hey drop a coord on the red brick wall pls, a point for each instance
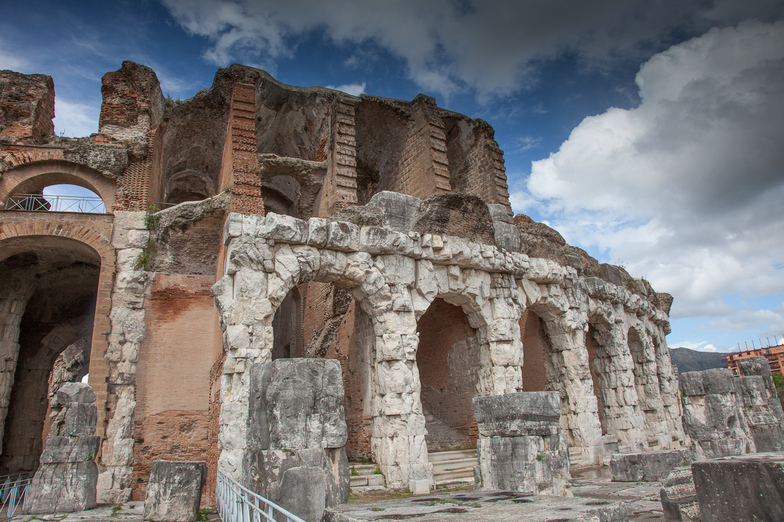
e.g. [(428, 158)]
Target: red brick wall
[(535, 346), (175, 375), (446, 358)]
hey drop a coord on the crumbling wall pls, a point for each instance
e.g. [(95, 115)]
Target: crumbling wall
[(26, 107)]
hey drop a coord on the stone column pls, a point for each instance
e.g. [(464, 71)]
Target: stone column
[(66, 480), (398, 442), (579, 413)]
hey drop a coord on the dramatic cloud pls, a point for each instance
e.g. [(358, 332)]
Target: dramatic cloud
[(75, 119), (489, 46), (354, 89), (687, 188)]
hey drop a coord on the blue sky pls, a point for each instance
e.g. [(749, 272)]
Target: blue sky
[(648, 133)]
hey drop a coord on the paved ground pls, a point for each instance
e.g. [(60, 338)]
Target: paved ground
[(594, 494)]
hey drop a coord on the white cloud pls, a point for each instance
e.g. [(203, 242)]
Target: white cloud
[(355, 89), (687, 188), (74, 119), (486, 46)]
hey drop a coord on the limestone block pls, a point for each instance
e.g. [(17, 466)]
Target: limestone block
[(747, 487), (678, 496), (232, 227), (296, 404), (128, 220), (317, 232), (63, 488), (174, 490), (342, 236), (286, 229), (518, 414), (400, 210), (650, 466), (419, 487), (507, 235), (61, 450)]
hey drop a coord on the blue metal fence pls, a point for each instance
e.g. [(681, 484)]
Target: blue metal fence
[(13, 494), (239, 504)]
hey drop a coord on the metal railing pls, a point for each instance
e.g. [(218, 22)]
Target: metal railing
[(239, 504), (53, 203), (13, 494)]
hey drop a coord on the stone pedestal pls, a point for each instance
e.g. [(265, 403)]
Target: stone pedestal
[(747, 487), (296, 436), (520, 445), (650, 466), (713, 415), (67, 478), (174, 491)]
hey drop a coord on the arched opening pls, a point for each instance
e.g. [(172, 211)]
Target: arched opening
[(537, 369), (323, 320), (55, 313), (598, 362), (287, 327), (281, 195), (447, 358), (57, 186), (188, 185)]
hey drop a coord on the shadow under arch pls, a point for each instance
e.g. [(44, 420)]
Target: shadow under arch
[(51, 284), (32, 178)]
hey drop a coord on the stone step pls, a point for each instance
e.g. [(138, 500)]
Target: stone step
[(447, 476), (451, 455), (364, 469), (367, 480), (446, 466)]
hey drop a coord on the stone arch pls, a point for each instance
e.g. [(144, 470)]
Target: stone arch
[(31, 178), (188, 185), (447, 360), (23, 235), (612, 374)]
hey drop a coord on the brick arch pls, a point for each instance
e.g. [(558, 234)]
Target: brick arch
[(32, 177), (96, 238)]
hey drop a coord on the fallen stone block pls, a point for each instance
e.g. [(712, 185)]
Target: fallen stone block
[(174, 491), (649, 466), (741, 488), (679, 498)]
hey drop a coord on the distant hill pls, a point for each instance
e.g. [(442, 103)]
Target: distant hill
[(693, 361)]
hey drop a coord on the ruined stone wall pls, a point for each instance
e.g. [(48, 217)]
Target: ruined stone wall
[(394, 276), (26, 107)]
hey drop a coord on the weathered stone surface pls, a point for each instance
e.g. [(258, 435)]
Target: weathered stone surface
[(520, 445), (529, 413), (63, 488), (297, 404), (678, 496), (713, 415), (483, 506), (400, 210), (458, 215), (26, 106), (174, 491), (296, 434), (742, 488), (132, 102), (67, 479), (649, 466), (70, 449)]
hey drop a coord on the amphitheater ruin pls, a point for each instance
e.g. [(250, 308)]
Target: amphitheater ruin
[(257, 222)]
